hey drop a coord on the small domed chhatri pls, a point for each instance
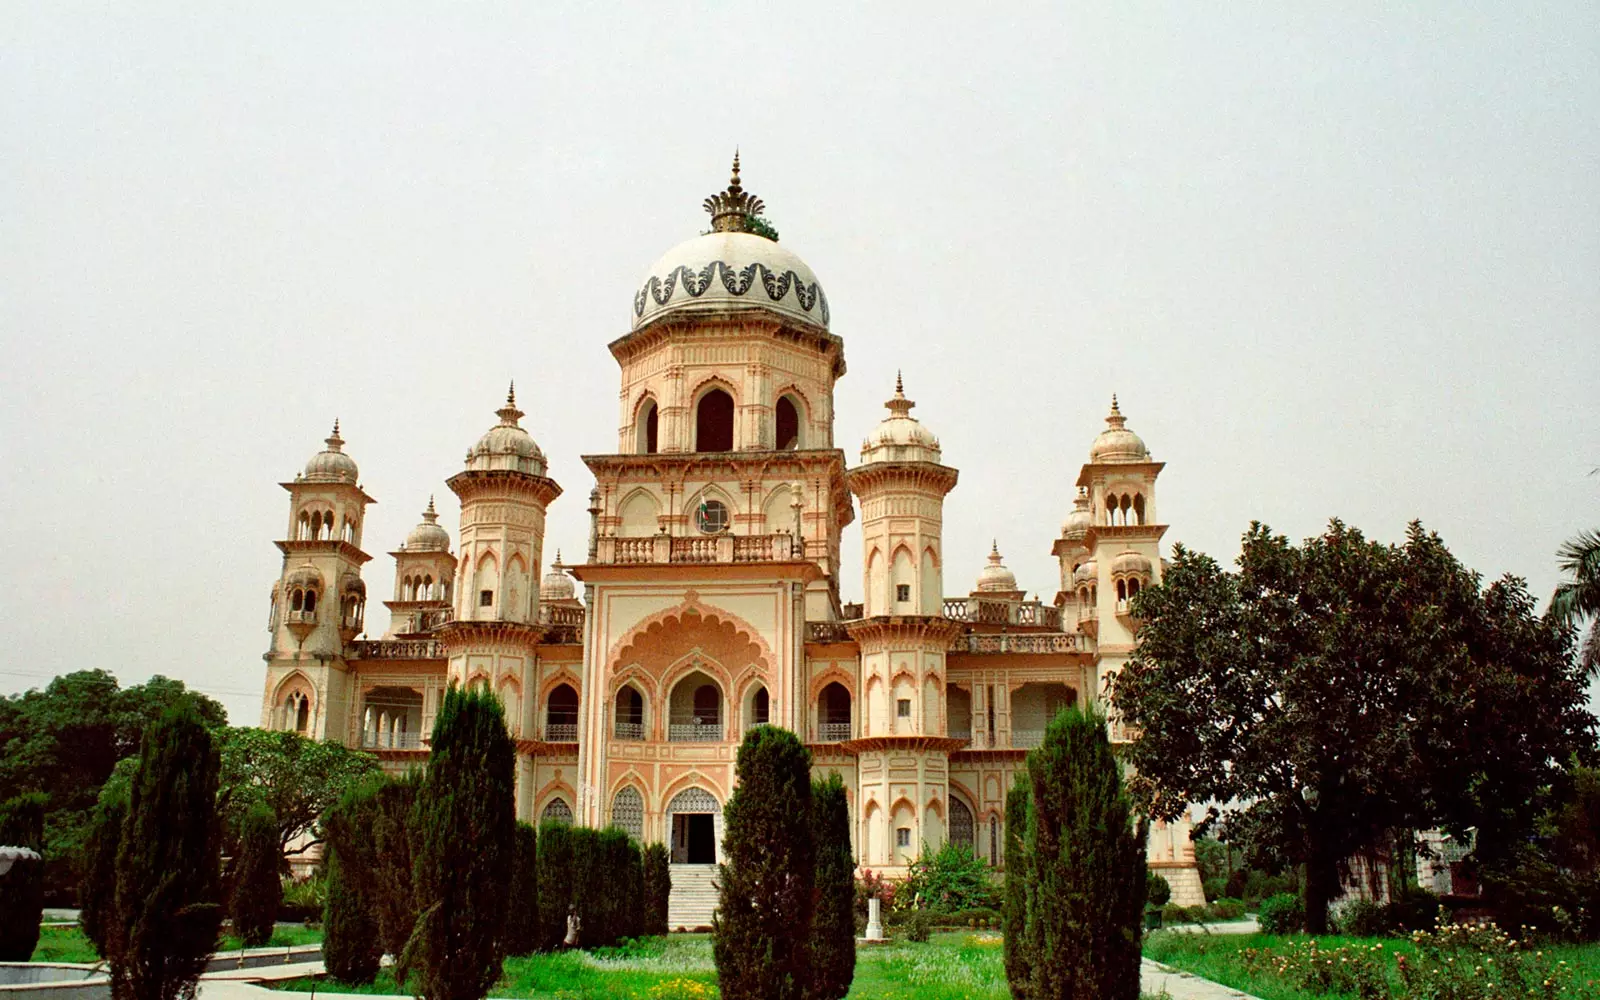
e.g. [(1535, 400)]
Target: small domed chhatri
[(1078, 520), (429, 536), (331, 464), (995, 577), (731, 268), (557, 585), (1116, 443), (506, 446), (900, 437), (1131, 564)]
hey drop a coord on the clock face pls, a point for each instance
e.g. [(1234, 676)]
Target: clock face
[(711, 516)]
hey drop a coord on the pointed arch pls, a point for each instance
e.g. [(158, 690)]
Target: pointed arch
[(652, 630), (638, 514)]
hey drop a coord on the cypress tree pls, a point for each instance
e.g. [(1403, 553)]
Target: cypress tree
[(22, 888), (97, 893), (465, 830), (589, 886), (633, 909), (657, 888), (522, 918), (256, 886), (1087, 886), (351, 950), (833, 928), (761, 934), (555, 883), (392, 896), (168, 863), (1014, 917)]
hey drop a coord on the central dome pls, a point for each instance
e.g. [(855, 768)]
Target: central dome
[(731, 268)]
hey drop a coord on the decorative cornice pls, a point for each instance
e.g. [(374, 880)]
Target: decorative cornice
[(474, 484), (457, 636), (917, 475), (541, 748), (1087, 476), (936, 632), (332, 546), (890, 744), (338, 486), (1123, 533)]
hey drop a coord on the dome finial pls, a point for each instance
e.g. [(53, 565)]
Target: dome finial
[(509, 414), (1115, 417), (334, 441), (430, 515), (899, 385), (731, 210)]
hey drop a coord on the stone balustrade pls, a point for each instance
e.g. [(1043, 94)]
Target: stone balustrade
[(698, 549), (1023, 614)]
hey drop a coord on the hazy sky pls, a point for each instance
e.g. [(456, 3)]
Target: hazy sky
[(1337, 259)]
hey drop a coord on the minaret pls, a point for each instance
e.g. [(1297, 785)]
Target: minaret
[(319, 602), (424, 571), (491, 641), (1071, 554), (903, 637)]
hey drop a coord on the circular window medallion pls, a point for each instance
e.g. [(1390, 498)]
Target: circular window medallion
[(711, 516)]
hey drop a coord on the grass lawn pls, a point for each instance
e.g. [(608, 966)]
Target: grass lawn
[(67, 944), (1219, 957), (957, 966)]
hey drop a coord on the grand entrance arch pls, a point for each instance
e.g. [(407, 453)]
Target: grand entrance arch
[(695, 819)]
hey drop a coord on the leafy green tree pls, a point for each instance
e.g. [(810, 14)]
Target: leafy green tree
[(168, 875), (1014, 913), (1345, 689), (1577, 597), (97, 892), (256, 886), (351, 949), (22, 888), (657, 888), (522, 919), (1086, 885), (951, 879), (555, 883), (761, 933), (297, 778), (465, 832), (833, 927)]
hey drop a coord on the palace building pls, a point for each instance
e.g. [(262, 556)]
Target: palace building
[(710, 593)]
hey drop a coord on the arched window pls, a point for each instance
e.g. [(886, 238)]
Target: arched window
[(627, 812), (1111, 509), (561, 715), (707, 702), (713, 422), (649, 428), (960, 823), (694, 710), (557, 812), (311, 602), (760, 707), (300, 711), (1138, 508), (994, 841), (788, 421), (833, 713), (629, 721)]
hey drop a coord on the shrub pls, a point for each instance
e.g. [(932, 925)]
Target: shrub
[(950, 879), (833, 937), (166, 912), (256, 889), (304, 899), (1363, 918), (22, 888), (657, 888), (1157, 891), (1018, 963), (1086, 882), (555, 883), (1412, 909), (1226, 909), (762, 930), (351, 950), (522, 918), (1215, 888), (464, 829), (871, 885), (97, 894), (1281, 914), (920, 926)]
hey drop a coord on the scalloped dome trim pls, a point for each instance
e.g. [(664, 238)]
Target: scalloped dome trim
[(736, 282)]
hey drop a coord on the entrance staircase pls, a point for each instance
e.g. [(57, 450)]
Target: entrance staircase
[(693, 898)]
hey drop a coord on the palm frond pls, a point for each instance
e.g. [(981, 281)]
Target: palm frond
[(1580, 556)]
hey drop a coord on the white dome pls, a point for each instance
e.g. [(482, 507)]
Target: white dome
[(429, 536), (1116, 443), (1078, 521), (995, 577), (331, 465), (506, 446), (900, 437), (730, 267), (557, 585)]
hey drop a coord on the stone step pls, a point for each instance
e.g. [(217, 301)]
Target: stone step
[(693, 898)]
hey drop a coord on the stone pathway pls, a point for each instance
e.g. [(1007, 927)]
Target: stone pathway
[(1155, 979)]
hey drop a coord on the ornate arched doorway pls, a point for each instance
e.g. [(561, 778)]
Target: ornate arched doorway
[(695, 819)]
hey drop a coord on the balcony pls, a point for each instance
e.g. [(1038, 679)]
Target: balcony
[(1046, 642), (694, 731), (833, 732), (964, 733), (1016, 614), (371, 740), (627, 731), (561, 732), (698, 549), (1026, 739)]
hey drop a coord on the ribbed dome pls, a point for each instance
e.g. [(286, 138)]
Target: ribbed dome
[(506, 446), (900, 437), (1116, 443), (1130, 563), (304, 577), (429, 536), (995, 577), (557, 585), (730, 268), (1078, 521), (352, 584), (331, 465), (1086, 573)]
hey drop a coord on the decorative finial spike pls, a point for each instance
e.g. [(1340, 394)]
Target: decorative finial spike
[(335, 426), (994, 546), (899, 386), (558, 557), (511, 393), (1113, 401), (731, 210), (430, 504)]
